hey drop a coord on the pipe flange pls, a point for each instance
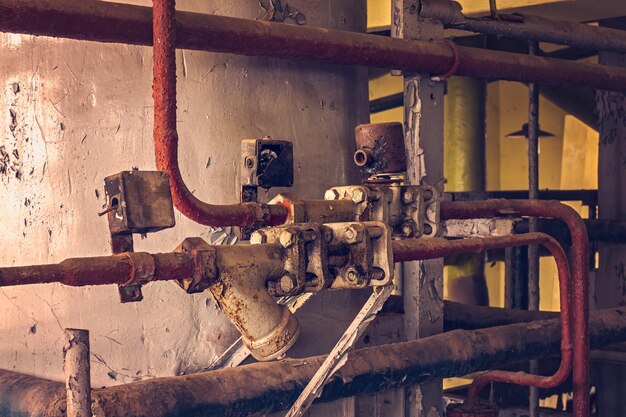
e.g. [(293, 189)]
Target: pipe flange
[(204, 269), (276, 344)]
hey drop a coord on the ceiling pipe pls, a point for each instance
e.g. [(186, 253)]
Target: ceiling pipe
[(166, 136), (526, 27), (123, 23)]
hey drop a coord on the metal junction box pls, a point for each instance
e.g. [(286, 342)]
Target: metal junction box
[(139, 202)]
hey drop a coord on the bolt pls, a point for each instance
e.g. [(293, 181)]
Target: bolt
[(358, 196), (331, 194), (249, 162), (407, 229), (352, 275), (287, 283), (353, 235), (407, 196), (287, 238)]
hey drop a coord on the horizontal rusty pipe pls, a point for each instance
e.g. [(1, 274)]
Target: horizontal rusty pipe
[(579, 266), (527, 27), (262, 388), (420, 249), (467, 317), (123, 23), (122, 269), (166, 137)]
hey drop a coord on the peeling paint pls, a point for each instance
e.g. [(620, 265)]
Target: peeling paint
[(83, 111)]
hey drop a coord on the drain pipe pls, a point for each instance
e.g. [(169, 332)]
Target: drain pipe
[(166, 137)]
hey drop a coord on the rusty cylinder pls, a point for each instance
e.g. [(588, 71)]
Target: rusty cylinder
[(380, 149)]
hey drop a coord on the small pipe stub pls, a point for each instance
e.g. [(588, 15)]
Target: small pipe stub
[(472, 410), (380, 149)]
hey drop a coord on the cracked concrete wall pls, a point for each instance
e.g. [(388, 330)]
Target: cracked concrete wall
[(74, 112)]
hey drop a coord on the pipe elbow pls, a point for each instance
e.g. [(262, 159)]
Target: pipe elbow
[(268, 329)]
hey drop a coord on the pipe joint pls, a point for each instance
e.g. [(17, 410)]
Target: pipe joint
[(142, 268)]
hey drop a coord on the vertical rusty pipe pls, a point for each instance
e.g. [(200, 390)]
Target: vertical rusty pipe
[(533, 194), (166, 135), (580, 271), (77, 373)]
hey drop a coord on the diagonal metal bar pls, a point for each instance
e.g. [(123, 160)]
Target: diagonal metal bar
[(338, 356)]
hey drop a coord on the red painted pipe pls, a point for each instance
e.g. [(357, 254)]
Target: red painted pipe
[(122, 269), (579, 266), (420, 249), (166, 136)]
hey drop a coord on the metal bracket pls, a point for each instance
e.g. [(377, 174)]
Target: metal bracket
[(294, 239), (366, 248), (412, 211)]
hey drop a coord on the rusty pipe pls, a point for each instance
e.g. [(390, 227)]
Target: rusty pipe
[(124, 23), (420, 249), (527, 27), (122, 269), (579, 267), (166, 136), (262, 388)]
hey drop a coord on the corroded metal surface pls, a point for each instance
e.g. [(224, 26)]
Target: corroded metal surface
[(77, 373), (123, 269), (527, 27), (273, 386), (106, 22), (380, 148)]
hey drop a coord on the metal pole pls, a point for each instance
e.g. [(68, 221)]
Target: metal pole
[(527, 27), (464, 168), (123, 23), (533, 194), (77, 373), (423, 140)]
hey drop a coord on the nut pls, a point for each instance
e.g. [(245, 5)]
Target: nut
[(287, 238), (287, 283), (331, 194), (407, 196), (258, 237), (407, 229), (352, 275), (358, 195), (353, 234)]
